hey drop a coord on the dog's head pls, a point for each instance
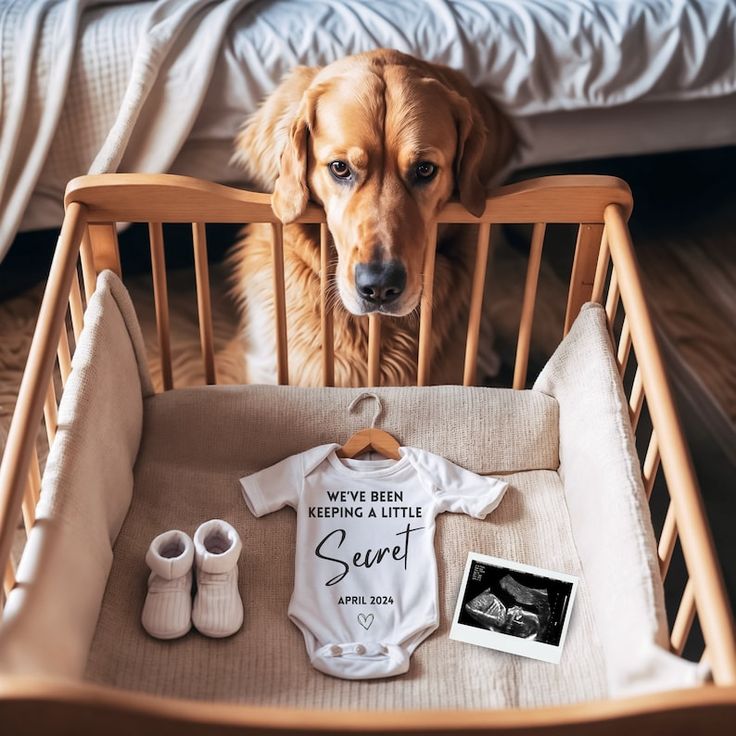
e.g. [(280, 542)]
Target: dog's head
[(382, 141)]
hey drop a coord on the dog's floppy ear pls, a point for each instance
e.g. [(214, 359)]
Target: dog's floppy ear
[(290, 191), (485, 137), (486, 142), (471, 146), (261, 145)]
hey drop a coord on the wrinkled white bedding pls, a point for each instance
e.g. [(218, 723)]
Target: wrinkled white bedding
[(94, 86)]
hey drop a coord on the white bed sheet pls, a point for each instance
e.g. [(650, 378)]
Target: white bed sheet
[(158, 86)]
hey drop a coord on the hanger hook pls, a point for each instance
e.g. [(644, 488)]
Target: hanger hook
[(368, 395)]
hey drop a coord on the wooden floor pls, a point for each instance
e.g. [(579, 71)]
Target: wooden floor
[(684, 230)]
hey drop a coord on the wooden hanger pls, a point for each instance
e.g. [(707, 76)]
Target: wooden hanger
[(371, 438)]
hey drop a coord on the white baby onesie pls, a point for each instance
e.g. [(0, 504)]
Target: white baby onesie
[(365, 582)]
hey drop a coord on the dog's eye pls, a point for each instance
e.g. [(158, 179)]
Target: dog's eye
[(424, 171), (340, 170)]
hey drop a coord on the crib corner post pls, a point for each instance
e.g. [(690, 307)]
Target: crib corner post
[(582, 278), (103, 239)]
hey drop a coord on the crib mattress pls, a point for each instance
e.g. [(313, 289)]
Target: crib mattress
[(187, 469)]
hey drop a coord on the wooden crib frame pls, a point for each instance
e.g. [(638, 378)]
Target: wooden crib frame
[(604, 270)]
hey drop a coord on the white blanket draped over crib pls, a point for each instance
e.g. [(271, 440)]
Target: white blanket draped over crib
[(92, 86)]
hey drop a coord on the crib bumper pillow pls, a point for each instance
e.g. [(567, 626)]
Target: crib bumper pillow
[(609, 512), (85, 495)]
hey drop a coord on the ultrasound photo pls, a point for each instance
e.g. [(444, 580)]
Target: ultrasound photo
[(513, 607)]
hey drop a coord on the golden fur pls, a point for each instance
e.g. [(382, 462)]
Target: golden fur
[(381, 113)]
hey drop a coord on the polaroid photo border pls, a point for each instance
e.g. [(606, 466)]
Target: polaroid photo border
[(476, 634)]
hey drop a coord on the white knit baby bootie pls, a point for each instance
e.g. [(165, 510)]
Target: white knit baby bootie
[(167, 612), (218, 610)]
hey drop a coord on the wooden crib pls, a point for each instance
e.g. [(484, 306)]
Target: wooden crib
[(604, 270)]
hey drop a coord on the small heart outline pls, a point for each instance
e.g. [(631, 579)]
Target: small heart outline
[(366, 621)]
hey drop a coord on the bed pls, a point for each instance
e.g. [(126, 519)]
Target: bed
[(127, 459), (164, 86)]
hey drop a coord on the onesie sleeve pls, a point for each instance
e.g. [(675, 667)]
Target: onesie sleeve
[(274, 487), (281, 484), (458, 490)]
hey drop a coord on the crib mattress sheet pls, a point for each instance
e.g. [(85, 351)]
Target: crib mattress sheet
[(187, 472)]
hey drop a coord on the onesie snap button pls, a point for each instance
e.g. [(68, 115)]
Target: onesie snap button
[(360, 649), (335, 650)]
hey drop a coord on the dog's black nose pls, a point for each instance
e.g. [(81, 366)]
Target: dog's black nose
[(380, 282)]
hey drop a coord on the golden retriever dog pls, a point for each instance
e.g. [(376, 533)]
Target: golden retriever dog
[(381, 141)]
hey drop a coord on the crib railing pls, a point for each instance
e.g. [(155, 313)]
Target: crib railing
[(172, 199), (604, 269)]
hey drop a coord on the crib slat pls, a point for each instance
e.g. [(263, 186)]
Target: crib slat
[(64, 355), (526, 322), (328, 332), (279, 293), (425, 319), (8, 579), (476, 303), (612, 298), (651, 465), (161, 301), (636, 401), (624, 346), (584, 265), (50, 412), (601, 269), (34, 480), (374, 349), (89, 275), (103, 238), (76, 308), (28, 506), (684, 620), (667, 541), (35, 475), (31, 492), (204, 302)]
